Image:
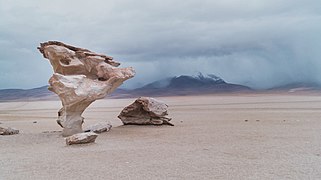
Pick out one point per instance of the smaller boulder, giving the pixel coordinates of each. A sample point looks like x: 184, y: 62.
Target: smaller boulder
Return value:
x: 81, y: 138
x: 99, y: 128
x: 145, y: 111
x: 8, y: 131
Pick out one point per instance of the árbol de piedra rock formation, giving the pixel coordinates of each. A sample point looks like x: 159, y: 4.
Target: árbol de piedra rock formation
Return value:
x: 80, y: 77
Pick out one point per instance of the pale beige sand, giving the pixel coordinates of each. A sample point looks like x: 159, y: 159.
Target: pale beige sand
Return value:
x: 211, y: 140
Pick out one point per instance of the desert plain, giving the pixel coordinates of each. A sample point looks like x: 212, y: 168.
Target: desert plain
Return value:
x: 223, y: 136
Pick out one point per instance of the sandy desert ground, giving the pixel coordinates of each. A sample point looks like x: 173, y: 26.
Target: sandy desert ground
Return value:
x: 214, y: 137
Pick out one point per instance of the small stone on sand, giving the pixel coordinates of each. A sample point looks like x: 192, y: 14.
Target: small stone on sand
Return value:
x: 81, y: 138
x: 8, y: 131
x: 99, y: 128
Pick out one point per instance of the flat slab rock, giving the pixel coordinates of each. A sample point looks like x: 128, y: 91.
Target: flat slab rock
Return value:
x: 81, y: 138
x: 145, y: 111
x: 8, y: 131
x: 98, y: 128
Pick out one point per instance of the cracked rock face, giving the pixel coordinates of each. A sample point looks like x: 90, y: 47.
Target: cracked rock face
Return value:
x: 145, y: 111
x: 80, y: 77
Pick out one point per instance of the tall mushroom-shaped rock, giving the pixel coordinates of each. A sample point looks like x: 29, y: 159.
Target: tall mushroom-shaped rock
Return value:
x: 80, y: 77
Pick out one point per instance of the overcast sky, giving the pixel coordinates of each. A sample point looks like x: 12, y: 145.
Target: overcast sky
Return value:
x: 259, y: 43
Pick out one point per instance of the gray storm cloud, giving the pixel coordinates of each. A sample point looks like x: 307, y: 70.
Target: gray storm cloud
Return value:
x: 261, y: 44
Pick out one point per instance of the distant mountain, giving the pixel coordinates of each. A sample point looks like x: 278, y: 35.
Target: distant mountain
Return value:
x: 297, y: 87
x: 189, y: 85
x: 174, y: 86
x: 41, y: 93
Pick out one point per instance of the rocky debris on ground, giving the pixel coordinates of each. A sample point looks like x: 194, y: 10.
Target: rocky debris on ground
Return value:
x: 145, y: 111
x: 8, y: 131
x: 51, y: 131
x: 98, y: 128
x: 81, y: 138
x: 80, y: 77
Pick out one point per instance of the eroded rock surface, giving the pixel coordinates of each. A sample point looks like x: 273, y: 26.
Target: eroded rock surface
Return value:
x: 145, y: 111
x: 80, y: 77
x: 8, y: 131
x: 81, y: 138
x: 98, y: 128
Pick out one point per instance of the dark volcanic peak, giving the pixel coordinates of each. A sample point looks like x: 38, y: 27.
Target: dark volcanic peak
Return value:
x: 189, y: 85
x: 185, y: 81
x: 159, y: 84
x: 195, y: 81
